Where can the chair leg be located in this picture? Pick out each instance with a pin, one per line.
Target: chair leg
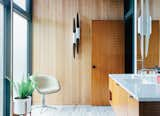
(43, 101)
(43, 106)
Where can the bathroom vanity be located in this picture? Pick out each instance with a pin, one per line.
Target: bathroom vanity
(131, 95)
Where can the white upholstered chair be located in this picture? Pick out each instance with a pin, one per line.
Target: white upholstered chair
(46, 85)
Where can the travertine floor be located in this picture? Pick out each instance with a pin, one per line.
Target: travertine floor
(74, 111)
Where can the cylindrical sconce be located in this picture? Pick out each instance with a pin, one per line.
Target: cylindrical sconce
(74, 37)
(78, 33)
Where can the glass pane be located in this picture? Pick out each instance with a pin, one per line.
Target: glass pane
(19, 47)
(21, 3)
(1, 59)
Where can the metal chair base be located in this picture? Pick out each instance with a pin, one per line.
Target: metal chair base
(44, 107)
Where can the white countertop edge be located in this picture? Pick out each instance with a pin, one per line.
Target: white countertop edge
(114, 76)
(136, 97)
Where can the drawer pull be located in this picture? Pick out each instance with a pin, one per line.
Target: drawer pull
(117, 84)
(131, 96)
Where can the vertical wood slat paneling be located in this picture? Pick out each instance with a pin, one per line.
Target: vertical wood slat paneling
(52, 44)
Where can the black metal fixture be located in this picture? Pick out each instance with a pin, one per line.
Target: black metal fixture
(74, 37)
(78, 33)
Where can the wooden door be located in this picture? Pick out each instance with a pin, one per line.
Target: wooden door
(107, 57)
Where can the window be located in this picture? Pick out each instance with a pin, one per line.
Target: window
(18, 44)
(1, 59)
(21, 3)
(20, 40)
(19, 47)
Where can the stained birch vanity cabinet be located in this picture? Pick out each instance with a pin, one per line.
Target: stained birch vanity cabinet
(118, 99)
(133, 106)
(124, 104)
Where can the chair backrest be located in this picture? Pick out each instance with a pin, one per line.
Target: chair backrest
(45, 81)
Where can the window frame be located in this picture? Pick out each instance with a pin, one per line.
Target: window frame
(27, 14)
(3, 54)
(14, 1)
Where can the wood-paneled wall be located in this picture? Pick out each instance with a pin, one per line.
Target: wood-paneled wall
(52, 44)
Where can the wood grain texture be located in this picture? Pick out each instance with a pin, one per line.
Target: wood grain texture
(133, 107)
(153, 58)
(123, 102)
(149, 109)
(119, 100)
(52, 44)
(107, 56)
(115, 97)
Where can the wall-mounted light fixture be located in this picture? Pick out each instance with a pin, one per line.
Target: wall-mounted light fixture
(78, 33)
(144, 28)
(74, 37)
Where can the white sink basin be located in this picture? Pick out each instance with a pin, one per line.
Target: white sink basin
(141, 80)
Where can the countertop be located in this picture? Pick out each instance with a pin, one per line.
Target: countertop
(142, 88)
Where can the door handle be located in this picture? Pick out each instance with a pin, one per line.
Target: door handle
(131, 96)
(93, 66)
